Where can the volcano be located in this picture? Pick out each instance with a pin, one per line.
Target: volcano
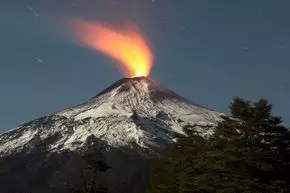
(130, 122)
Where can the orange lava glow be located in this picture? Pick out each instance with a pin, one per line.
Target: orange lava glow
(126, 45)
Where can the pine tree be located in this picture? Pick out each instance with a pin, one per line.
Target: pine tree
(263, 141)
(249, 152)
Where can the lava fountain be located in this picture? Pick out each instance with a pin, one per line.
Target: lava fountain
(125, 44)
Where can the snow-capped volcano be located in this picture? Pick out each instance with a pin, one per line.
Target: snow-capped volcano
(132, 110)
(132, 116)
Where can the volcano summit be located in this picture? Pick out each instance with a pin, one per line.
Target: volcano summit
(130, 121)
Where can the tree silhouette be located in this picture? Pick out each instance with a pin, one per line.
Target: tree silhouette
(249, 152)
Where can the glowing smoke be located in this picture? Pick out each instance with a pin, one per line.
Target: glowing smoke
(127, 45)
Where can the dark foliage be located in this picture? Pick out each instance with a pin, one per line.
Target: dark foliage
(248, 153)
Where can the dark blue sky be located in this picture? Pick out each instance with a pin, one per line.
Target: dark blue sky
(207, 51)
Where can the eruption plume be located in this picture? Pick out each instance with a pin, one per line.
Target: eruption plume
(126, 45)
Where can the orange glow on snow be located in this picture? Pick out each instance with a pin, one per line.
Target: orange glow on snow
(127, 45)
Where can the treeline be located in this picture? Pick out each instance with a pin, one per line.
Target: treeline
(248, 153)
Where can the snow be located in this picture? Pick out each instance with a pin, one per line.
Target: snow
(16, 143)
(132, 111)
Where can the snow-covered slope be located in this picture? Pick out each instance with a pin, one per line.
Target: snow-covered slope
(135, 111)
(129, 122)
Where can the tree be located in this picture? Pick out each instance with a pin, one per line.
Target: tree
(262, 140)
(249, 152)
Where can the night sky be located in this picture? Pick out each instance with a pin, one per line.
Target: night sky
(207, 51)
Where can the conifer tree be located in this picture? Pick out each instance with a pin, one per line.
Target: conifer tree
(249, 152)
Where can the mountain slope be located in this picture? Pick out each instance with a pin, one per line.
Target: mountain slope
(116, 115)
(132, 119)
